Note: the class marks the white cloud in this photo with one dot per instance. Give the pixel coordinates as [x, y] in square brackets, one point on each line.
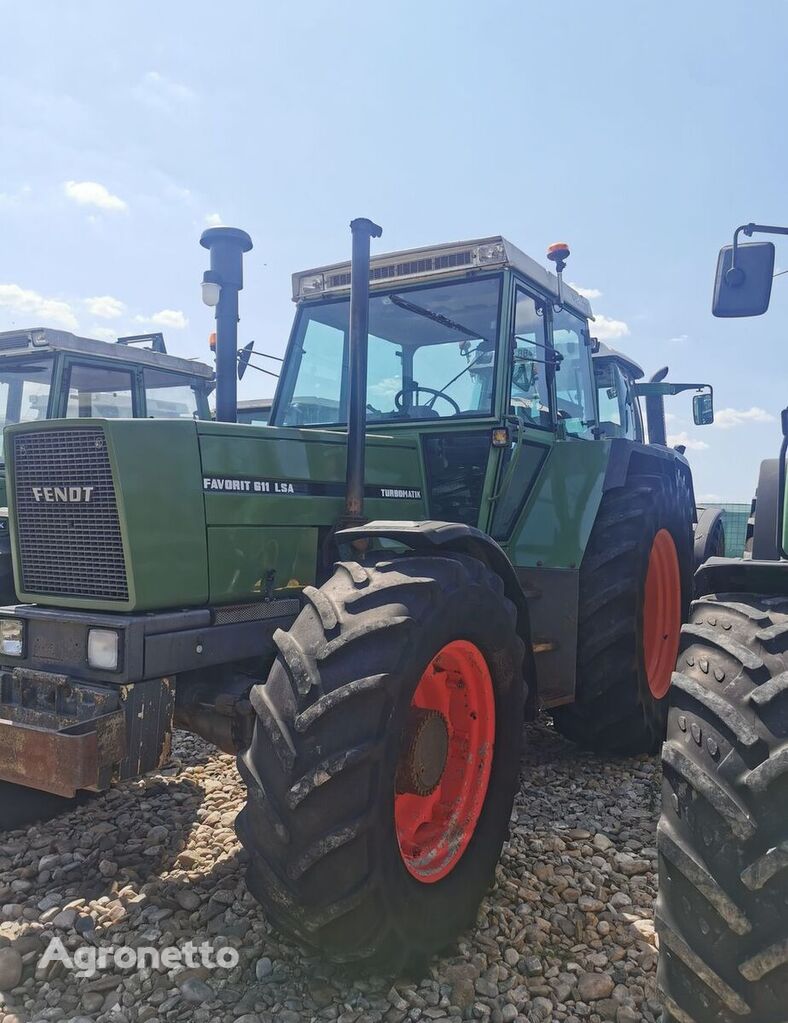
[709, 499]
[172, 318]
[588, 293]
[679, 339]
[728, 418]
[38, 310]
[607, 329]
[91, 193]
[686, 440]
[161, 92]
[213, 220]
[105, 307]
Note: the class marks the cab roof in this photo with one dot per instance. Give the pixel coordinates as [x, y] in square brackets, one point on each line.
[434, 261]
[35, 340]
[605, 352]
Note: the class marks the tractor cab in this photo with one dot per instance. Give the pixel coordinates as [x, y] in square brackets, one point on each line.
[53, 374]
[615, 375]
[473, 346]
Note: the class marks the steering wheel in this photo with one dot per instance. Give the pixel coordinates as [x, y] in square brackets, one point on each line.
[415, 388]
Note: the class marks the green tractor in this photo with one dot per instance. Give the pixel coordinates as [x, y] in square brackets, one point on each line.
[723, 837]
[53, 374]
[452, 521]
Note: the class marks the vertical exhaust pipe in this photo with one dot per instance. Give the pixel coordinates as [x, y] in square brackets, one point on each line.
[363, 231]
[655, 411]
[220, 287]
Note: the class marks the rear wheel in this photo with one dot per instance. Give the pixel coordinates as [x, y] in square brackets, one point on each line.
[635, 584]
[723, 835]
[385, 758]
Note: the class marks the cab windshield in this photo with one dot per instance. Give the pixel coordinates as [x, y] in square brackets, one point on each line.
[24, 389]
[431, 355]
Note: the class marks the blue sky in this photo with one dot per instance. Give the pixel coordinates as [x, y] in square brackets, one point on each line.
[642, 134]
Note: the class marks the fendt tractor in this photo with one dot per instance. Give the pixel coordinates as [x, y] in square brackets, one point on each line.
[723, 835]
[53, 374]
[452, 521]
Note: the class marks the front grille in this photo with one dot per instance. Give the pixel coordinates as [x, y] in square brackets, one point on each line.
[68, 546]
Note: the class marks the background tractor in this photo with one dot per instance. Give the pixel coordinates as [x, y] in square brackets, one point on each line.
[52, 374]
[723, 837]
[452, 519]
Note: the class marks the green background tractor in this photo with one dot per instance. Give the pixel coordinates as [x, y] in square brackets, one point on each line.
[452, 520]
[53, 374]
[723, 836]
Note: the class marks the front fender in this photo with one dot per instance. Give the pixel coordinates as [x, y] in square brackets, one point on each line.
[432, 536]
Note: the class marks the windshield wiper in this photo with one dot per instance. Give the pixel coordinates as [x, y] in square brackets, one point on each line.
[436, 318]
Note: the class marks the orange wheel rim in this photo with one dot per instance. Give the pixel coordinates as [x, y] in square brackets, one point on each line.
[661, 614]
[444, 767]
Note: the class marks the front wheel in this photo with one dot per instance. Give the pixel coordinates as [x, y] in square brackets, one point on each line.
[385, 758]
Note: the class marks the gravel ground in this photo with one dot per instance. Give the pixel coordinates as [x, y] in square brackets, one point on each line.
[566, 934]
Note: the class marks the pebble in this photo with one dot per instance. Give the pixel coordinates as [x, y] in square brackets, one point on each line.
[565, 935]
[188, 899]
[10, 968]
[195, 990]
[263, 968]
[593, 986]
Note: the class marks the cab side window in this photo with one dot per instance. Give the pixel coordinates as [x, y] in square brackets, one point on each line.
[609, 398]
[530, 398]
[99, 391]
[169, 395]
[631, 422]
[574, 385]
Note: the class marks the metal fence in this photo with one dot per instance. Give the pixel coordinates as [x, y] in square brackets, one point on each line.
[735, 520]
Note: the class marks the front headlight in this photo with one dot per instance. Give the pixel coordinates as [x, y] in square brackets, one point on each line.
[103, 649]
[12, 637]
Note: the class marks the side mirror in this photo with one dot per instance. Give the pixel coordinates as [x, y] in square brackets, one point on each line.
[743, 289]
[703, 409]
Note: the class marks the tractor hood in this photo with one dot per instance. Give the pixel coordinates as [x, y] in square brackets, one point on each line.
[138, 515]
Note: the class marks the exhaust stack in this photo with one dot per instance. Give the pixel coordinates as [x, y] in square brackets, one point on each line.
[363, 231]
[220, 287]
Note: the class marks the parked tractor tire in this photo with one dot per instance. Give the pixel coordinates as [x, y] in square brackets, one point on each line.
[385, 758]
[709, 536]
[635, 588]
[723, 836]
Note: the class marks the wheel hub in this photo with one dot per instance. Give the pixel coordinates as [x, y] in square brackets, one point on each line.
[425, 752]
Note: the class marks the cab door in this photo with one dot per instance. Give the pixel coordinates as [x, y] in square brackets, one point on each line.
[531, 416]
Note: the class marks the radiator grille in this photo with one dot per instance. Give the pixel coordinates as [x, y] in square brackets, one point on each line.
[68, 546]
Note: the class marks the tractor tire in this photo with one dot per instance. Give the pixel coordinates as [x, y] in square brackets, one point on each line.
[709, 536]
[723, 835]
[635, 589]
[385, 758]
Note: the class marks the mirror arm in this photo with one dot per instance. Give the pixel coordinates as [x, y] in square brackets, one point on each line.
[749, 230]
[652, 389]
